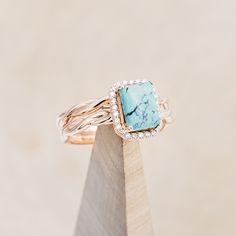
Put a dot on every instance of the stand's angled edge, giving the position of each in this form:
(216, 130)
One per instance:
(114, 201)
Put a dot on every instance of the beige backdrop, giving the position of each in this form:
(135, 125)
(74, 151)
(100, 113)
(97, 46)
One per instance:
(57, 53)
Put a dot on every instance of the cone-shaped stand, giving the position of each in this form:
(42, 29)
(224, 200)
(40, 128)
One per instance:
(115, 200)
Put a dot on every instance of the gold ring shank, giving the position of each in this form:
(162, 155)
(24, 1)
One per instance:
(84, 137)
(78, 125)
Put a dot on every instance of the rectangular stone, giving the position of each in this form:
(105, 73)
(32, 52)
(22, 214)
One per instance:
(139, 106)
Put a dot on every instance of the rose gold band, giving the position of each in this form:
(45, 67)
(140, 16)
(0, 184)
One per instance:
(78, 125)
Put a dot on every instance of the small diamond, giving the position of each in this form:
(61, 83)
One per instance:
(140, 135)
(113, 101)
(122, 131)
(128, 136)
(137, 81)
(147, 134)
(117, 121)
(124, 82)
(134, 135)
(118, 126)
(115, 113)
(114, 107)
(117, 84)
(112, 94)
(153, 132)
(131, 82)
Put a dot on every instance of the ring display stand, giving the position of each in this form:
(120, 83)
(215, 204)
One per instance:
(114, 201)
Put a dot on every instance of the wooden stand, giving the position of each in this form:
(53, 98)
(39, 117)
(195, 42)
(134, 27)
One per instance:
(115, 200)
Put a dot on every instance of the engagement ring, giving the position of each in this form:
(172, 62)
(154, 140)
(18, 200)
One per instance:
(133, 107)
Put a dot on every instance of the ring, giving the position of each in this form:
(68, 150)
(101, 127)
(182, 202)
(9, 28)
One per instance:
(133, 107)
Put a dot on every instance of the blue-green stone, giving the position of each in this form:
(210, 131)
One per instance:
(139, 106)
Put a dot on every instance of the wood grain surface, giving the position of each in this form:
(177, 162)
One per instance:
(115, 200)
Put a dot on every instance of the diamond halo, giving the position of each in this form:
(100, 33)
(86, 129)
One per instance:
(117, 113)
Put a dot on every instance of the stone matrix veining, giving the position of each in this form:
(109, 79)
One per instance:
(139, 106)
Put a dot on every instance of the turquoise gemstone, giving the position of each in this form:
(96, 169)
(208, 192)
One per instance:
(139, 106)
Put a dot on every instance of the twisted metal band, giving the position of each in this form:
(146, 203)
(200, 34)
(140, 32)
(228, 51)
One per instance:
(165, 113)
(78, 125)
